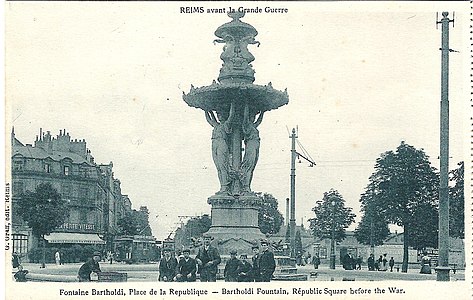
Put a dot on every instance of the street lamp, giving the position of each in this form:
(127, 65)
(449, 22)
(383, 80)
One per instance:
(332, 246)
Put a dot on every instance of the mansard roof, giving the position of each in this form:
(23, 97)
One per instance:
(29, 151)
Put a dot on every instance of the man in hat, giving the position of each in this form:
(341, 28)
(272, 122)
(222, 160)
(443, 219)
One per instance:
(167, 266)
(371, 262)
(267, 264)
(186, 267)
(15, 260)
(92, 265)
(208, 258)
(245, 272)
(20, 275)
(255, 260)
(232, 267)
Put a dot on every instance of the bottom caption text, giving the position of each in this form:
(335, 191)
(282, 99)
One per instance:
(231, 291)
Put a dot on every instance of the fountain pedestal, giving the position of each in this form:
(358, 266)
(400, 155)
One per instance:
(235, 222)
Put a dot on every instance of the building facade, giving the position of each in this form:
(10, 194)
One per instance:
(393, 246)
(94, 196)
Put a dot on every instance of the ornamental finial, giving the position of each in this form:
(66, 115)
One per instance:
(236, 15)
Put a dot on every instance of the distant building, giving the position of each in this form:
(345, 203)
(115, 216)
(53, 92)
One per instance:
(306, 238)
(94, 196)
(393, 246)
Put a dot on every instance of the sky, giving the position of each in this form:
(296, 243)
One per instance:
(361, 78)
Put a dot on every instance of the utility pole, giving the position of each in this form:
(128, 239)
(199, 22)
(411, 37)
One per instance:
(292, 220)
(443, 269)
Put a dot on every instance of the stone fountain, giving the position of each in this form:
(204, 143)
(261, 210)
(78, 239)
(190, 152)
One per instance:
(234, 107)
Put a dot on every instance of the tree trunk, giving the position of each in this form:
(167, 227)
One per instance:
(372, 236)
(405, 257)
(43, 259)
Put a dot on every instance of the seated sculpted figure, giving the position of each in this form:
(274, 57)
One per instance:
(220, 150)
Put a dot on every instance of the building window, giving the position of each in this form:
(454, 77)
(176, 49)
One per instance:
(20, 244)
(67, 170)
(47, 168)
(323, 252)
(18, 165)
(84, 172)
(66, 191)
(74, 216)
(83, 216)
(91, 218)
(18, 188)
(84, 194)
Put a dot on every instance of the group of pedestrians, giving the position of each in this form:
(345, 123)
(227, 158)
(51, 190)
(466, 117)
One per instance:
(351, 263)
(186, 268)
(380, 264)
(59, 258)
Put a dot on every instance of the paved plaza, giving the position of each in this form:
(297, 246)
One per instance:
(149, 273)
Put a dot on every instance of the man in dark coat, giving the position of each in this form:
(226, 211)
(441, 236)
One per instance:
(255, 267)
(208, 260)
(267, 264)
(391, 263)
(316, 261)
(245, 274)
(186, 268)
(371, 263)
(232, 268)
(353, 261)
(15, 260)
(20, 275)
(359, 261)
(167, 267)
(380, 263)
(348, 262)
(92, 265)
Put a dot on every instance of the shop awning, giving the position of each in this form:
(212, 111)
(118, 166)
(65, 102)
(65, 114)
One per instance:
(73, 238)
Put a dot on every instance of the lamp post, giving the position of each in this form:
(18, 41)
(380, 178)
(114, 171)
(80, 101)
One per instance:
(332, 246)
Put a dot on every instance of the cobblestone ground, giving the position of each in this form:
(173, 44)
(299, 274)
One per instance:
(149, 273)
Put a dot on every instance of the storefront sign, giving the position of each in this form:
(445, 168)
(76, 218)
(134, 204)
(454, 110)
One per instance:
(77, 227)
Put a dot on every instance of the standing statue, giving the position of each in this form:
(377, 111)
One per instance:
(220, 149)
(252, 143)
